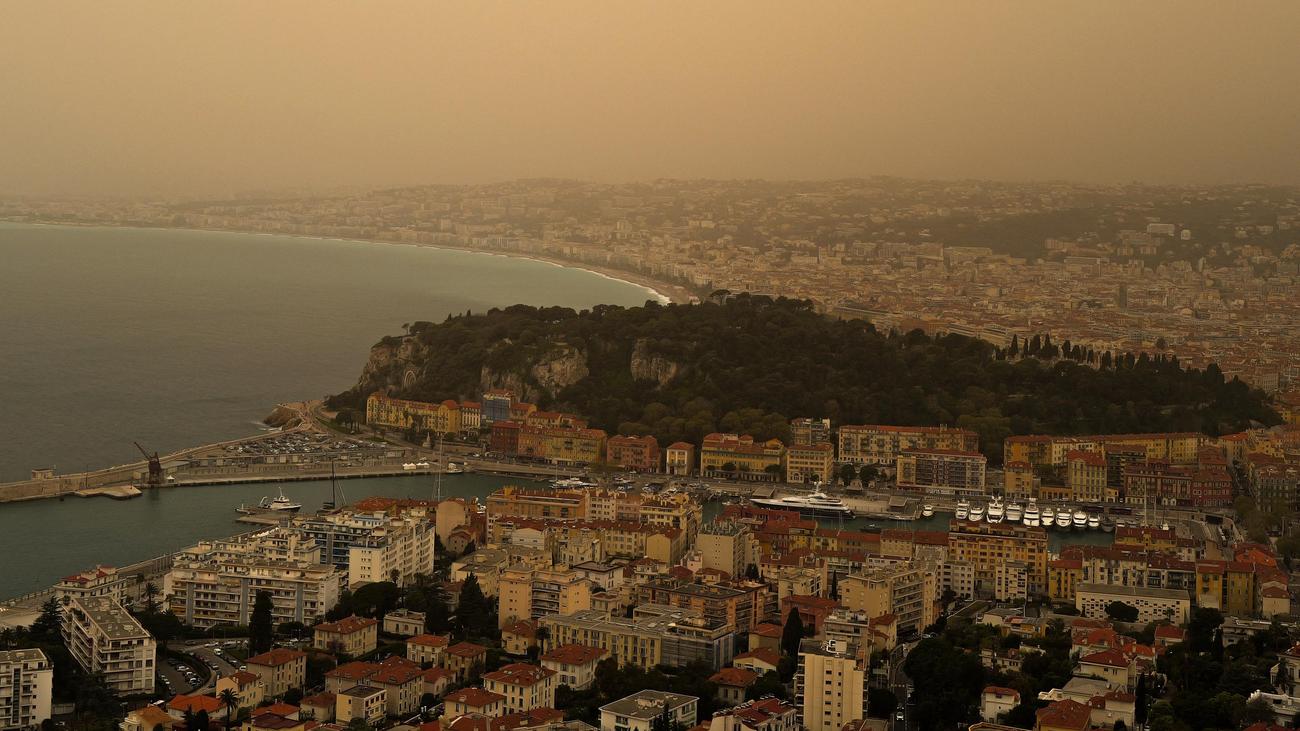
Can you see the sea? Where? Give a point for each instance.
(112, 336)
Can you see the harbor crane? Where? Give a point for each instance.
(155, 467)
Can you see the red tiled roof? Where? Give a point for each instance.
(427, 640)
(281, 709)
(355, 670)
(320, 700)
(1112, 658)
(474, 697)
(1000, 691)
(396, 674)
(466, 649)
(1065, 714)
(347, 625)
(520, 674)
(734, 677)
(762, 654)
(276, 657)
(575, 654)
(195, 703)
(767, 629)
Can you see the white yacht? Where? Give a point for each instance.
(997, 512)
(1032, 516)
(1015, 513)
(927, 510)
(1094, 521)
(280, 502)
(1080, 518)
(1064, 519)
(963, 510)
(818, 504)
(977, 513)
(454, 468)
(1048, 518)
(572, 483)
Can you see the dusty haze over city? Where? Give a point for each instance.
(177, 98)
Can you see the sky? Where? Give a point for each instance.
(184, 98)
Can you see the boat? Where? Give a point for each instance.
(1064, 519)
(1094, 521)
(817, 504)
(927, 510)
(1080, 519)
(454, 469)
(1015, 513)
(977, 513)
(1108, 524)
(1048, 518)
(279, 502)
(997, 512)
(1032, 518)
(963, 510)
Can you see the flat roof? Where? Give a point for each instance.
(1135, 591)
(647, 705)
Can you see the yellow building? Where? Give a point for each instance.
(740, 457)
(877, 444)
(532, 593)
(1018, 481)
(1228, 586)
(352, 636)
(1063, 578)
(439, 418)
(810, 463)
(985, 545)
(1086, 476)
(562, 444)
(539, 504)
(907, 591)
(831, 684)
(942, 471)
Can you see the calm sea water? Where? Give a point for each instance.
(176, 338)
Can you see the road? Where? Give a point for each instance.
(205, 651)
(899, 683)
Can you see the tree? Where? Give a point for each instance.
(473, 612)
(867, 473)
(49, 623)
(792, 633)
(358, 724)
(948, 682)
(1121, 612)
(293, 696)
(261, 627)
(230, 701)
(150, 598)
(201, 722)
(834, 591)
(768, 683)
(751, 572)
(1257, 711)
(847, 473)
(881, 702)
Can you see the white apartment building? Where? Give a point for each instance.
(26, 679)
(217, 582)
(99, 581)
(404, 546)
(104, 638)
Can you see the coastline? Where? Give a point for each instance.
(664, 292)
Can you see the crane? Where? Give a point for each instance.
(155, 466)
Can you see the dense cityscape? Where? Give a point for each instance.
(1205, 273)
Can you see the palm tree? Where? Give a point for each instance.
(230, 699)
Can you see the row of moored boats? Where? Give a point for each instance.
(1030, 514)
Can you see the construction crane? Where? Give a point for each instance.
(155, 467)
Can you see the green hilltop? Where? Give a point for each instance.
(750, 364)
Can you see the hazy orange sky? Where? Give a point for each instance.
(188, 97)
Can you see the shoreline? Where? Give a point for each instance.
(664, 292)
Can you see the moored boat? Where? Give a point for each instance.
(1064, 519)
(1015, 513)
(963, 510)
(996, 511)
(976, 513)
(1080, 518)
(927, 510)
(818, 504)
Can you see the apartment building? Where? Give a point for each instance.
(280, 669)
(831, 684)
(558, 444)
(941, 471)
(810, 463)
(104, 638)
(100, 581)
(1153, 605)
(537, 504)
(352, 636)
(638, 454)
(741, 457)
(881, 445)
(364, 702)
(487, 563)
(984, 546)
(908, 591)
(26, 682)
(806, 431)
(574, 665)
(1183, 485)
(860, 629)
(1086, 476)
(1040, 450)
(641, 710)
(736, 605)
(653, 635)
(217, 582)
(728, 546)
(523, 686)
(401, 547)
(679, 459)
(440, 418)
(533, 593)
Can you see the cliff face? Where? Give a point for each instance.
(647, 366)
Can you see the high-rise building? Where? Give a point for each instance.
(881, 445)
(831, 684)
(26, 680)
(908, 591)
(533, 593)
(104, 638)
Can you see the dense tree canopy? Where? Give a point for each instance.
(748, 365)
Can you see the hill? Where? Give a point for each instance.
(681, 371)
